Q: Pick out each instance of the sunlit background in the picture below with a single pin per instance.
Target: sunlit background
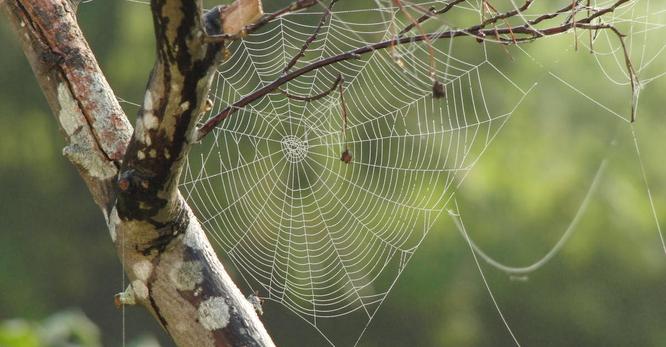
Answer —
(605, 287)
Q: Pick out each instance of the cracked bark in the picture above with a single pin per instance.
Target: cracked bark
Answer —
(133, 175)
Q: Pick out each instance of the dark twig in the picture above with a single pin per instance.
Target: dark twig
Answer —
(590, 32)
(633, 77)
(552, 15)
(524, 33)
(574, 6)
(308, 42)
(438, 90)
(502, 16)
(313, 97)
(346, 156)
(493, 20)
(430, 14)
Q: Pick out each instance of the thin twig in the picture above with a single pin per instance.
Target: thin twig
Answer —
(432, 13)
(437, 86)
(590, 32)
(523, 34)
(346, 156)
(308, 42)
(313, 97)
(502, 16)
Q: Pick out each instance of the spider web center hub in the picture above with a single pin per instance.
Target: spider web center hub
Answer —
(295, 149)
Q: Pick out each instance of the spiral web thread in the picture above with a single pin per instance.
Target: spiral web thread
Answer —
(328, 239)
(324, 238)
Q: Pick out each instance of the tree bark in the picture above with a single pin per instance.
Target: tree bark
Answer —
(133, 175)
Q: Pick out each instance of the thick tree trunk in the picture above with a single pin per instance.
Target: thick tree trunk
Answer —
(133, 177)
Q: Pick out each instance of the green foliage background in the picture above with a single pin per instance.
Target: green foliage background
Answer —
(606, 288)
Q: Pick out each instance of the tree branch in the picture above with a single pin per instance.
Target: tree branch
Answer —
(527, 33)
(92, 121)
(175, 272)
(171, 265)
(308, 42)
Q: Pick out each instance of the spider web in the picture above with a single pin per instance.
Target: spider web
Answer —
(324, 238)
(328, 240)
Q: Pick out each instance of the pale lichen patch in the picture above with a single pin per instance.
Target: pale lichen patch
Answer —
(185, 106)
(140, 289)
(146, 121)
(187, 275)
(140, 134)
(82, 150)
(152, 153)
(114, 220)
(150, 121)
(194, 237)
(140, 155)
(90, 161)
(142, 270)
(148, 102)
(214, 313)
(139, 131)
(68, 109)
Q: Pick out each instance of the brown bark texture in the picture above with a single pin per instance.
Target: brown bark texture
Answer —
(133, 173)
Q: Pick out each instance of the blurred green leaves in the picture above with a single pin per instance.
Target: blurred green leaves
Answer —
(63, 329)
(18, 333)
(71, 328)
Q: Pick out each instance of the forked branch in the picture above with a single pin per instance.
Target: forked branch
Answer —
(308, 42)
(173, 270)
(507, 35)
